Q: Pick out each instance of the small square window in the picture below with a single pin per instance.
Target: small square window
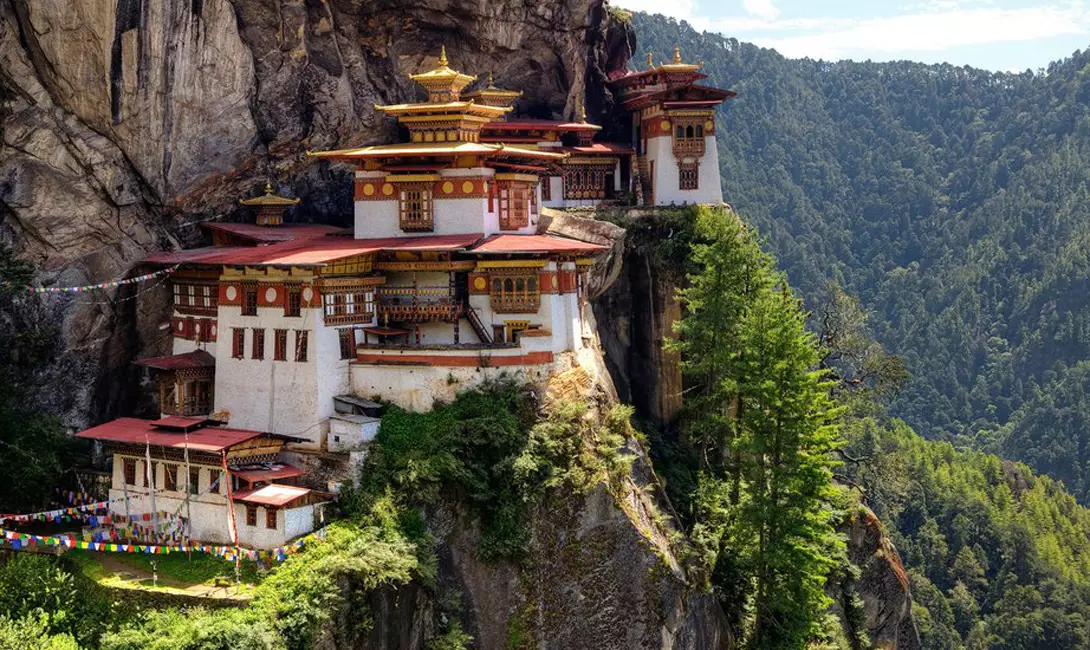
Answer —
(251, 515)
(270, 518)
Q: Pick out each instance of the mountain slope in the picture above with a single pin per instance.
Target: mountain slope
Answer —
(952, 201)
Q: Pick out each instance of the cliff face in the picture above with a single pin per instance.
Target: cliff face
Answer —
(126, 122)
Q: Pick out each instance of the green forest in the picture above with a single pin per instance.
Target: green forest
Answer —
(953, 202)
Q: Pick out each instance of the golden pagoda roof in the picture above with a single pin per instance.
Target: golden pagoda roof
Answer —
(269, 199)
(435, 149)
(676, 65)
(492, 91)
(470, 107)
(443, 77)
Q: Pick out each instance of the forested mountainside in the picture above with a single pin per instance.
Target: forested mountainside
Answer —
(952, 201)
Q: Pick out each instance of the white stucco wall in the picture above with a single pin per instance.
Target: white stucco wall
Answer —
(289, 397)
(290, 523)
(660, 149)
(417, 388)
(352, 432)
(208, 512)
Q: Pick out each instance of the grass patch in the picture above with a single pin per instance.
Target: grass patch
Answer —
(174, 569)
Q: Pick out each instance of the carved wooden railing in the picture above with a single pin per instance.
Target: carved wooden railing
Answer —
(417, 304)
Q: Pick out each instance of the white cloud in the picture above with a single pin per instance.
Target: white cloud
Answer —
(945, 25)
(761, 8)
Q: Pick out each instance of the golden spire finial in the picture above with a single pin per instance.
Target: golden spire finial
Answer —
(583, 114)
(268, 188)
(677, 54)
(650, 61)
(443, 56)
(490, 84)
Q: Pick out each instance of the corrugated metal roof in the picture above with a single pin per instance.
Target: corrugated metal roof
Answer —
(272, 495)
(255, 472)
(544, 125)
(284, 232)
(194, 359)
(133, 430)
(314, 251)
(534, 244)
(611, 148)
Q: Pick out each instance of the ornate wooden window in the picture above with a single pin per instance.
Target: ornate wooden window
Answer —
(196, 297)
(215, 479)
(280, 345)
(251, 515)
(294, 304)
(514, 206)
(257, 345)
(249, 299)
(689, 139)
(515, 293)
(194, 484)
(349, 305)
(170, 478)
(128, 466)
(348, 342)
(415, 207)
(586, 182)
(301, 345)
(270, 518)
(547, 189)
(238, 342)
(688, 175)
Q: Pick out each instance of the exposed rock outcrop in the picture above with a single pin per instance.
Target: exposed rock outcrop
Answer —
(881, 585)
(126, 122)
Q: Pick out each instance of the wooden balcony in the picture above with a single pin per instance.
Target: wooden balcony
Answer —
(416, 304)
(689, 147)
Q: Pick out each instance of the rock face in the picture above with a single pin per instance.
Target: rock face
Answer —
(882, 585)
(126, 122)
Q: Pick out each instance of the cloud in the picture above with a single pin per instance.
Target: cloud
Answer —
(761, 8)
(945, 24)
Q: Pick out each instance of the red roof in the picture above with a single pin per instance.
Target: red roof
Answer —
(310, 252)
(539, 125)
(266, 472)
(599, 148)
(534, 244)
(179, 422)
(136, 431)
(272, 495)
(194, 359)
(285, 232)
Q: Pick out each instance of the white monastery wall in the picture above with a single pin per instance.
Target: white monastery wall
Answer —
(661, 150)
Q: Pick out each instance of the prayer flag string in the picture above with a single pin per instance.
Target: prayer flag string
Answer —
(85, 288)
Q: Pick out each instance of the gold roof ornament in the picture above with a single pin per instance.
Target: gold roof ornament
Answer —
(492, 95)
(583, 114)
(269, 199)
(678, 65)
(650, 61)
(442, 83)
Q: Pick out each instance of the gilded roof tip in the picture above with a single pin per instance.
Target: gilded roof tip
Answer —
(268, 188)
(650, 61)
(443, 56)
(677, 54)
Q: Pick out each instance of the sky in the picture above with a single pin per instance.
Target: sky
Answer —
(1011, 35)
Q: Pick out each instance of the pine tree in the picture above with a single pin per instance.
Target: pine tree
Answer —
(786, 438)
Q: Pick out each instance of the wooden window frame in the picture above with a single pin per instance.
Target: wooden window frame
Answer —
(193, 485)
(249, 299)
(270, 518)
(514, 205)
(546, 189)
(215, 482)
(293, 304)
(128, 471)
(515, 293)
(257, 344)
(301, 341)
(170, 477)
(280, 345)
(238, 342)
(346, 337)
(251, 515)
(416, 207)
(201, 298)
(688, 175)
(349, 306)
